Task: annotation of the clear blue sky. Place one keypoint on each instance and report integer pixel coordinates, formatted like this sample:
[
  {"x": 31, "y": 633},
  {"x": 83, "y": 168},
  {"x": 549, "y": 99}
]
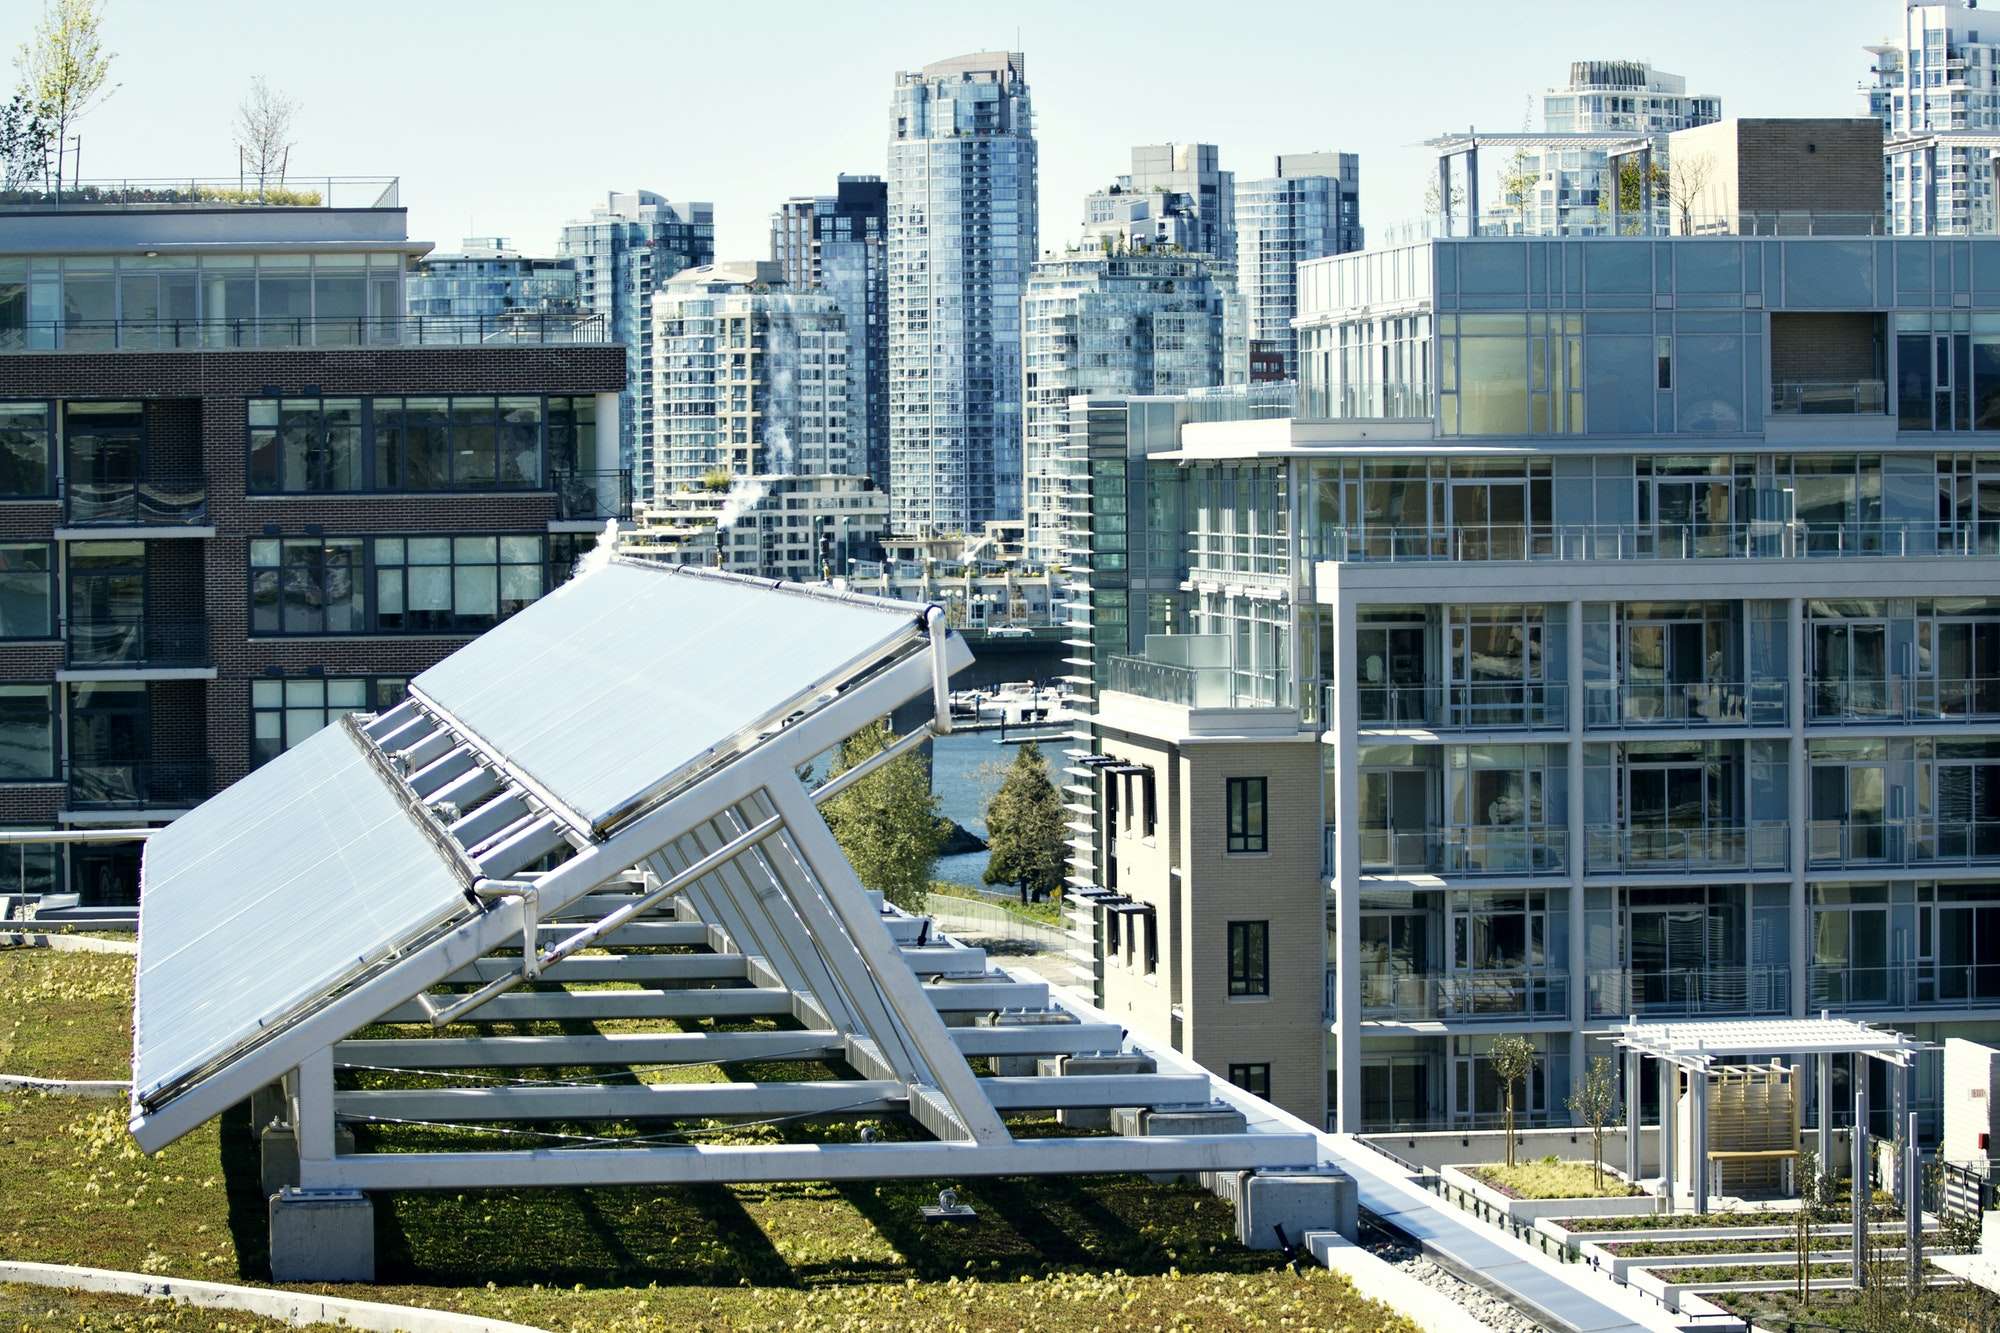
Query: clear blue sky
[{"x": 506, "y": 118}]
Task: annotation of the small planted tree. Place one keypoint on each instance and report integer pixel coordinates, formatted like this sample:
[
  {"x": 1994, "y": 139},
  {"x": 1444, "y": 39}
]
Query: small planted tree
[
  {"x": 65, "y": 69},
  {"x": 1591, "y": 1102},
  {"x": 1812, "y": 1202},
  {"x": 1514, "y": 1059},
  {"x": 1024, "y": 828},
  {"x": 887, "y": 823},
  {"x": 264, "y": 134}
]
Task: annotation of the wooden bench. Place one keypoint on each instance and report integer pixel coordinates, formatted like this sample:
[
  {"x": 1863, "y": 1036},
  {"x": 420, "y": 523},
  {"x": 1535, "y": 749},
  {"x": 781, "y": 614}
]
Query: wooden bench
[{"x": 1717, "y": 1156}]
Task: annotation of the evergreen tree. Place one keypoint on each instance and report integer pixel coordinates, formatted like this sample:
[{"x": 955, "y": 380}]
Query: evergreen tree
[
  {"x": 888, "y": 822},
  {"x": 1024, "y": 829}
]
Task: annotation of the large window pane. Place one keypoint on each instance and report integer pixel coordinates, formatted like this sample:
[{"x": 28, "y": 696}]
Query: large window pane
[
  {"x": 27, "y": 591},
  {"x": 24, "y": 449},
  {"x": 473, "y": 439},
  {"x": 426, "y": 444},
  {"x": 520, "y": 442},
  {"x": 27, "y": 733}
]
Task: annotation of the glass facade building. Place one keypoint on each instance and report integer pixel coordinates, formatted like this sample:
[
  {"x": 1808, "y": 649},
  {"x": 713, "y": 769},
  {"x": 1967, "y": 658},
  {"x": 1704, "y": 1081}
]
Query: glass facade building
[
  {"x": 485, "y": 278},
  {"x": 1562, "y": 189},
  {"x": 623, "y": 253},
  {"x": 1639, "y": 597},
  {"x": 838, "y": 244},
  {"x": 962, "y": 235},
  {"x": 1937, "y": 73},
  {"x": 1310, "y": 208}
]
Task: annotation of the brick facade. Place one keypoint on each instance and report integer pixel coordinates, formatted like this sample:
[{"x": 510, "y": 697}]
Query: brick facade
[{"x": 195, "y": 414}]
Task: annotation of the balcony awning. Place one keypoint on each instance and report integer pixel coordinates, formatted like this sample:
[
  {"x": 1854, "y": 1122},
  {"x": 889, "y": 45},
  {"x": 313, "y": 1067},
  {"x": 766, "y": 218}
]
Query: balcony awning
[{"x": 1697, "y": 1045}]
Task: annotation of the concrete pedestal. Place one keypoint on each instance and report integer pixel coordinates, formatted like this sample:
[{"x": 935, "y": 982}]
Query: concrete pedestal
[
  {"x": 1066, "y": 1066},
  {"x": 322, "y": 1236},
  {"x": 280, "y": 1155},
  {"x": 1295, "y": 1205},
  {"x": 1144, "y": 1122},
  {"x": 267, "y": 1104}
]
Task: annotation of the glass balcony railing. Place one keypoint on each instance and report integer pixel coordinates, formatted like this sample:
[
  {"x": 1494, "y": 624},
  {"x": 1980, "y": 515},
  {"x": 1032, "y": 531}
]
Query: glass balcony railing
[
  {"x": 1762, "y": 845},
  {"x": 1791, "y": 398},
  {"x": 1704, "y": 990},
  {"x": 1492, "y": 849},
  {"x": 1902, "y": 842},
  {"x": 163, "y": 503},
  {"x": 1902, "y": 699},
  {"x": 595, "y": 496},
  {"x": 137, "y": 785},
  {"x": 1461, "y": 705},
  {"x": 1372, "y": 401},
  {"x": 137, "y": 642},
  {"x": 1514, "y": 992},
  {"x": 1904, "y": 986},
  {"x": 522, "y": 328},
  {"x": 155, "y": 194},
  {"x": 1733, "y": 703},
  {"x": 1192, "y": 670},
  {"x": 1692, "y": 541}
]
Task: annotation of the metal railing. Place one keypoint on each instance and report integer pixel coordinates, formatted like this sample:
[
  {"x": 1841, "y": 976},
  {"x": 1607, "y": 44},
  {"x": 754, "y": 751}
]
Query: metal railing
[
  {"x": 1594, "y": 219},
  {"x": 1706, "y": 990},
  {"x": 163, "y": 502},
  {"x": 140, "y": 642},
  {"x": 1167, "y": 682},
  {"x": 1666, "y": 703},
  {"x": 1791, "y": 398},
  {"x": 1479, "y": 993},
  {"x": 145, "y": 784},
  {"x": 1490, "y": 849},
  {"x": 1903, "y": 699},
  {"x": 1758, "y": 540},
  {"x": 601, "y": 495},
  {"x": 1461, "y": 705},
  {"x": 1905, "y": 986},
  {"x": 1902, "y": 842},
  {"x": 207, "y": 192},
  {"x": 1759, "y": 845},
  {"x": 525, "y": 328}
]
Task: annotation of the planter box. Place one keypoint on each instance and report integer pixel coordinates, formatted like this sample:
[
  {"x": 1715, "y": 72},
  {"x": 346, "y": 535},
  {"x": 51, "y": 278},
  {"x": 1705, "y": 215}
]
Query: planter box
[{"x": 1483, "y": 1200}]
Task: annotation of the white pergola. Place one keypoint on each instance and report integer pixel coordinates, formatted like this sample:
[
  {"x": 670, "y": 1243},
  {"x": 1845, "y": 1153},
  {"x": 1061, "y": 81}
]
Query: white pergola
[
  {"x": 1466, "y": 146},
  {"x": 1695, "y": 1047}
]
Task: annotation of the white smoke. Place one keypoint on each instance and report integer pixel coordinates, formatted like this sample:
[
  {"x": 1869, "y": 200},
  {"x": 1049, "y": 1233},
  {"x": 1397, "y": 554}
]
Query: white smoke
[
  {"x": 599, "y": 556},
  {"x": 745, "y": 494},
  {"x": 781, "y": 405}
]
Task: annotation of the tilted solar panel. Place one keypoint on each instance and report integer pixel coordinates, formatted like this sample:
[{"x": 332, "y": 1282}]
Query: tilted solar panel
[
  {"x": 268, "y": 896},
  {"x": 615, "y": 682}
]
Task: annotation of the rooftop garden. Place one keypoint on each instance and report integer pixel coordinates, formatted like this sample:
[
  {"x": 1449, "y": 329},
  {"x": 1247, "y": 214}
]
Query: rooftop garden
[{"x": 1551, "y": 1178}]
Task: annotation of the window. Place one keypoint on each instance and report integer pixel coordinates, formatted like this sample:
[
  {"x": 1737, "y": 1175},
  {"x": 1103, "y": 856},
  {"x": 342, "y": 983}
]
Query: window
[
  {"x": 1663, "y": 355},
  {"x": 454, "y": 584},
  {"x": 305, "y": 445},
  {"x": 1249, "y": 958},
  {"x": 24, "y": 451},
  {"x": 478, "y": 444},
  {"x": 312, "y": 586},
  {"x": 27, "y": 590},
  {"x": 30, "y": 868},
  {"x": 1253, "y": 1079},
  {"x": 1148, "y": 804},
  {"x": 27, "y": 733},
  {"x": 1247, "y": 825},
  {"x": 285, "y": 712}
]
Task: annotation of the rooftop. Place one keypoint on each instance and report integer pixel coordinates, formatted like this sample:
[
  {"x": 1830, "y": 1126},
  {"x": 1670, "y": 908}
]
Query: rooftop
[{"x": 195, "y": 192}]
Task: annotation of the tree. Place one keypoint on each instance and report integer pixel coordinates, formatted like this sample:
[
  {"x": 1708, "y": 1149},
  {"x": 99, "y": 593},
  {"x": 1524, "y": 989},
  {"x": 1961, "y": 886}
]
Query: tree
[
  {"x": 1630, "y": 195},
  {"x": 1687, "y": 182},
  {"x": 1514, "y": 1059},
  {"x": 888, "y": 822},
  {"x": 1813, "y": 1191},
  {"x": 1591, "y": 1102},
  {"x": 1519, "y": 176},
  {"x": 264, "y": 132},
  {"x": 24, "y": 143},
  {"x": 1025, "y": 829},
  {"x": 65, "y": 69}
]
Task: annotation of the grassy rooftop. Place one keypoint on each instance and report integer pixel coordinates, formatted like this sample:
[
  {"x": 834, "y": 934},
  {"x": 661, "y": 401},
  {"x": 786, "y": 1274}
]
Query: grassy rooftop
[{"x": 1058, "y": 1253}]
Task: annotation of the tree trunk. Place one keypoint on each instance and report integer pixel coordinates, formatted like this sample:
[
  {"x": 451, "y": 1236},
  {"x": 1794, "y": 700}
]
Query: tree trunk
[{"x": 1510, "y": 1125}]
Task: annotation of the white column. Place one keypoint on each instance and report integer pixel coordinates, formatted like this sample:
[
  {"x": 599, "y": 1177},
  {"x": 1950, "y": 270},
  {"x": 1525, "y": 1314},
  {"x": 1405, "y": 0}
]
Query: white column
[
  {"x": 1857, "y": 1184},
  {"x": 1669, "y": 1077},
  {"x": 1698, "y": 1137},
  {"x": 1825, "y": 1114},
  {"x": 1347, "y": 868},
  {"x": 312, "y": 1112},
  {"x": 1797, "y": 790},
  {"x": 1578, "y": 982},
  {"x": 607, "y": 437},
  {"x": 1632, "y": 1103}
]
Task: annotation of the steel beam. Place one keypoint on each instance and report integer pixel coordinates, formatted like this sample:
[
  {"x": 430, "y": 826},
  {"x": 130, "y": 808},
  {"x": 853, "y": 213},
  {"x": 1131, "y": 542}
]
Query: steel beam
[
  {"x": 587, "y": 1049},
  {"x": 739, "y": 1002}
]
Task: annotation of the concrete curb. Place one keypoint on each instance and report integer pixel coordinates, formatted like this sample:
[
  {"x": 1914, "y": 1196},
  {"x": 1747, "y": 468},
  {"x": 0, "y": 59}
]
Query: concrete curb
[
  {"x": 292, "y": 1307},
  {"x": 102, "y": 1088},
  {"x": 1429, "y": 1310},
  {"x": 63, "y": 943}
]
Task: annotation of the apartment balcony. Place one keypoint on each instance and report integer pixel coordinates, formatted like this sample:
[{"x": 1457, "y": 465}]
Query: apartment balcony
[
  {"x": 1487, "y": 993},
  {"x": 1905, "y": 986},
  {"x": 1758, "y": 540},
  {"x": 1385, "y": 400},
  {"x": 1492, "y": 849},
  {"x": 1459, "y": 706},
  {"x": 1903, "y": 842},
  {"x": 1845, "y": 398},
  {"x": 1682, "y": 705},
  {"x": 139, "y": 785},
  {"x": 137, "y": 643},
  {"x": 593, "y": 497},
  {"x": 1191, "y": 670},
  {"x": 1902, "y": 699},
  {"x": 520, "y": 328},
  {"x": 1612, "y": 849},
  {"x": 165, "y": 194},
  {"x": 162, "y": 502},
  {"x": 1694, "y": 992}
]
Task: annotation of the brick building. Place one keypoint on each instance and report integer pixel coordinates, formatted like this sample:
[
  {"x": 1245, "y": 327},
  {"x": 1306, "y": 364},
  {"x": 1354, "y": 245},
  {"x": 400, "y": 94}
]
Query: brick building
[{"x": 242, "y": 494}]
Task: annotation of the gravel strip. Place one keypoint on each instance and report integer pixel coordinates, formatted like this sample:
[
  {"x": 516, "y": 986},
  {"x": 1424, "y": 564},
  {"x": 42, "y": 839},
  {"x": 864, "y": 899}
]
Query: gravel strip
[{"x": 1481, "y": 1304}]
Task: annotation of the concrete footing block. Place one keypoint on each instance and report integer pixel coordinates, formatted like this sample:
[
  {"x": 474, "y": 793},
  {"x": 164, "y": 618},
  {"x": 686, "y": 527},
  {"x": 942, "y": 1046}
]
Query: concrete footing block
[
  {"x": 322, "y": 1236},
  {"x": 1147, "y": 1122},
  {"x": 280, "y": 1155},
  {"x": 268, "y": 1104},
  {"x": 1270, "y": 1204},
  {"x": 1078, "y": 1066}
]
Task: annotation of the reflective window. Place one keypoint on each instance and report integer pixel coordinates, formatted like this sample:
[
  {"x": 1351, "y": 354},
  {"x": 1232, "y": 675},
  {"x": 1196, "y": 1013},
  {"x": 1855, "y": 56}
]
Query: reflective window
[
  {"x": 27, "y": 733},
  {"x": 286, "y": 712},
  {"x": 24, "y": 445},
  {"x": 454, "y": 584},
  {"x": 27, "y": 590},
  {"x": 305, "y": 444},
  {"x": 312, "y": 586}
]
